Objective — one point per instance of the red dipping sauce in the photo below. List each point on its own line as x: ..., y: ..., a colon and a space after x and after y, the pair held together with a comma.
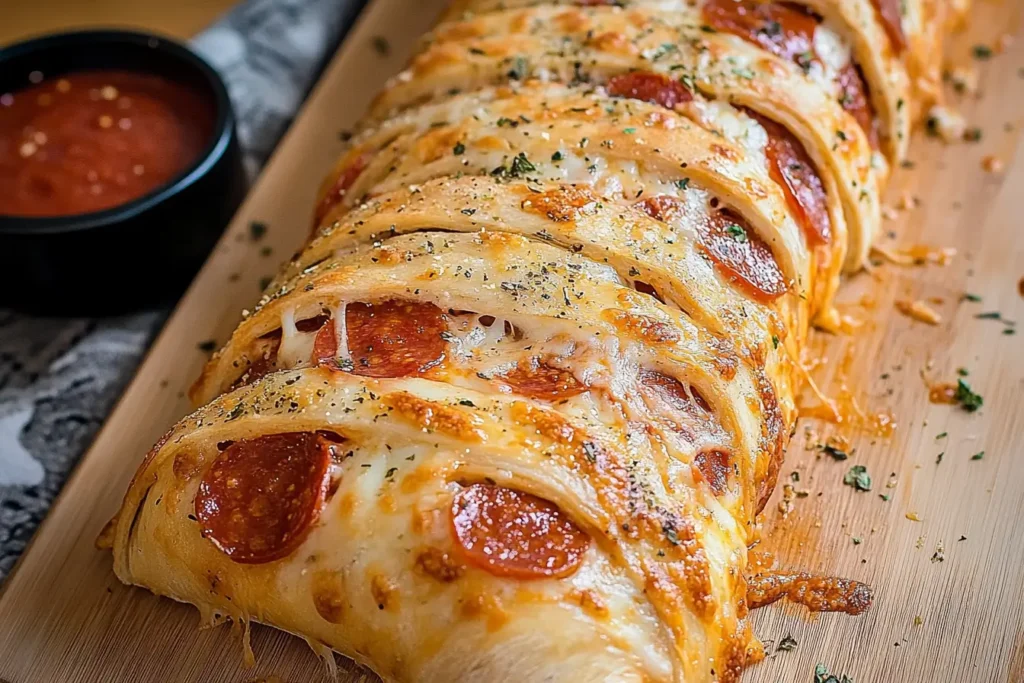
x: 94, y: 140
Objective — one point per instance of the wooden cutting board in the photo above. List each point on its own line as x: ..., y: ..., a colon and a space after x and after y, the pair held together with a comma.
x: 181, y: 19
x: 949, y: 582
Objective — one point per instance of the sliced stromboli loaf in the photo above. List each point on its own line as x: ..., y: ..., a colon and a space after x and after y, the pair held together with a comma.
x: 513, y: 409
x: 748, y: 338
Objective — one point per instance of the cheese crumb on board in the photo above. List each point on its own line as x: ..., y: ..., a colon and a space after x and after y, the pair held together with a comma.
x: 992, y: 164
x: 946, y: 123
x: 919, y: 310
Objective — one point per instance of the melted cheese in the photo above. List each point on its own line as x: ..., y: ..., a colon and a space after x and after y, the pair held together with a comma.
x: 834, y: 52
x: 296, y: 347
x: 341, y: 334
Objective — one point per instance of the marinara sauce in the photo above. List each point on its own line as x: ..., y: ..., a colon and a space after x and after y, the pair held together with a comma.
x: 93, y: 140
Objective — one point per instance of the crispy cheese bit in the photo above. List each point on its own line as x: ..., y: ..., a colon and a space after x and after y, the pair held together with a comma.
x: 964, y: 79
x: 916, y: 255
x: 816, y: 593
x: 992, y: 164
x: 946, y: 124
x: 514, y: 534
x: 918, y: 310
x: 260, y: 497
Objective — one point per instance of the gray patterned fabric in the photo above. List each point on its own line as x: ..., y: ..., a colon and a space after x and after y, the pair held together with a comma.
x: 59, y: 377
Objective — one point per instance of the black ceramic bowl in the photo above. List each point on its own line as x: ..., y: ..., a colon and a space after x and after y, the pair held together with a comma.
x: 141, y: 253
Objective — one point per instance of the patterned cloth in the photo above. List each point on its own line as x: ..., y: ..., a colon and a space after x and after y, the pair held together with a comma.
x: 59, y: 377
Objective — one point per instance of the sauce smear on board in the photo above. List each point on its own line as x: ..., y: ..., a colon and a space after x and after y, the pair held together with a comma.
x: 93, y: 140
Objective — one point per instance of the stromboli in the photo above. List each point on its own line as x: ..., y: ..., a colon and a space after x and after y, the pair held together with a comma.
x: 515, y: 406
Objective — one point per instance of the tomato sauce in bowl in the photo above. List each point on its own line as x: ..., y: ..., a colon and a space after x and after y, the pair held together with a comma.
x: 120, y: 166
x: 94, y: 140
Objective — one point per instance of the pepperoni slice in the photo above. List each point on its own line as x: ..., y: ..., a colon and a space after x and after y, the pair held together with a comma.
x: 742, y: 256
x: 325, y: 345
x: 391, y: 339
x: 672, y: 392
x: 687, y: 411
x: 853, y: 95
x: 261, y: 496
x: 786, y: 30
x: 714, y: 466
x: 791, y: 167
x: 395, y: 338
x: 649, y: 87
x: 341, y: 186
x: 736, y: 250
x: 515, y: 534
x: 536, y: 379
x: 892, y: 22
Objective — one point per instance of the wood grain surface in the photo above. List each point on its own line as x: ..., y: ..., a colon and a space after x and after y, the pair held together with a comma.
x: 179, y: 19
x: 944, y: 551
